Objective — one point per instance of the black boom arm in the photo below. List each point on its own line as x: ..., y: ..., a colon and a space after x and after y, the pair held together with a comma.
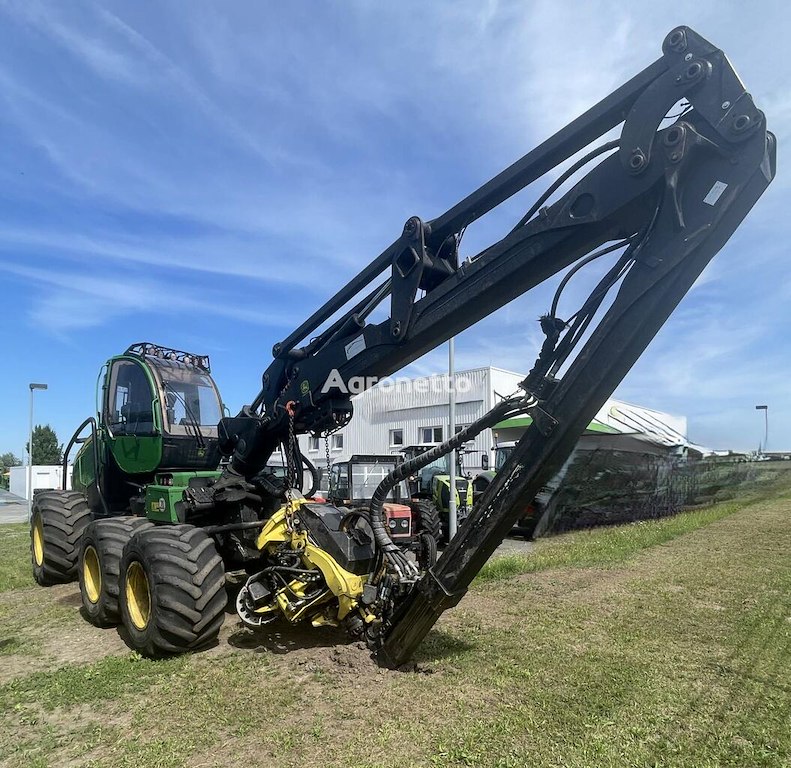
x: 672, y: 257
x: 669, y: 198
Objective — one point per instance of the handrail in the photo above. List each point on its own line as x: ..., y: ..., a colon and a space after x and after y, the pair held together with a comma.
x: 75, y: 438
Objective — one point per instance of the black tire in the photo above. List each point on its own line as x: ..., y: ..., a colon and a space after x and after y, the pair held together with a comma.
x: 58, y: 520
x: 427, y: 552
x: 428, y: 518
x: 171, y: 590
x: 103, y: 544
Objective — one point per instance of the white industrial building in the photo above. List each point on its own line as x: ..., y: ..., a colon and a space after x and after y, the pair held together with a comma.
x: 403, y: 412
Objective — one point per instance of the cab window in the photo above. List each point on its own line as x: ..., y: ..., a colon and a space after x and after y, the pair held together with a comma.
x: 501, y: 456
x: 191, y: 399
x: 130, y: 400
x: 340, y: 479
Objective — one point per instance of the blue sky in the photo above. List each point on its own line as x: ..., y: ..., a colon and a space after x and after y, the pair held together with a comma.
x: 205, y: 174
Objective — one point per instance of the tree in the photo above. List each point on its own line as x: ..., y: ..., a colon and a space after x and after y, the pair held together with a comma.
x: 46, y: 449
x: 7, y: 460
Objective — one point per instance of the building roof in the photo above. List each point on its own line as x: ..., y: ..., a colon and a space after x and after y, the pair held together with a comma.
x: 526, y: 421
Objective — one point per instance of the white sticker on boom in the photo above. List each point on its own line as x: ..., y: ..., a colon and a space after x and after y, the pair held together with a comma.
x: 714, y: 193
x: 355, y: 347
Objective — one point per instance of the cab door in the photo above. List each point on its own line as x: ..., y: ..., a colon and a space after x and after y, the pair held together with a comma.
x: 132, y: 417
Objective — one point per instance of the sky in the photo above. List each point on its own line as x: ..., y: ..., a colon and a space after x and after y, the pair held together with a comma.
x: 204, y: 175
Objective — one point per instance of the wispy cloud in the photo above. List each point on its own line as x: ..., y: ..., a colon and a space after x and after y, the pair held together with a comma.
x: 102, y: 56
x: 67, y: 302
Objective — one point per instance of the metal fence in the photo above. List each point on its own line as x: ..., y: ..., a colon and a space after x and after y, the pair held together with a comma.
x: 605, y: 487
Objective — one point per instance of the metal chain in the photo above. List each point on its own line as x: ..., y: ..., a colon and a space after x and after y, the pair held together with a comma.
x: 329, y: 462
x: 291, y: 468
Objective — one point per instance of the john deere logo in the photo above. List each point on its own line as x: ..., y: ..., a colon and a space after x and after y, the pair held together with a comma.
x: 305, y: 387
x: 158, y: 505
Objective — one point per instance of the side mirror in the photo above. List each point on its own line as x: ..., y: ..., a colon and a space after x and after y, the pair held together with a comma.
x: 485, y: 461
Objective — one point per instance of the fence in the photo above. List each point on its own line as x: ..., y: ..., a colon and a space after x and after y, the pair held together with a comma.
x: 606, y: 487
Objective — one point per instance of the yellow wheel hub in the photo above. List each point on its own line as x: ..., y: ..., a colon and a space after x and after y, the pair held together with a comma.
x: 138, y: 595
x: 38, y: 541
x: 92, y: 575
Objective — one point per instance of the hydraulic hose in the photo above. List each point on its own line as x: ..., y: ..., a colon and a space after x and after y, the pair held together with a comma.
x: 314, y: 476
x: 562, y: 178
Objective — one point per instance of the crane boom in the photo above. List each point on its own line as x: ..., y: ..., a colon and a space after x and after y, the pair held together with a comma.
x: 666, y: 199
x: 615, y: 201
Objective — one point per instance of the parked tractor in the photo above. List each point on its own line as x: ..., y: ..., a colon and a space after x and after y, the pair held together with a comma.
x: 483, y: 480
x: 412, y: 524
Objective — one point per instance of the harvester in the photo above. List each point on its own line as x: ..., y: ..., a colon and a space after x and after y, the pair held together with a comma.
x: 170, y: 496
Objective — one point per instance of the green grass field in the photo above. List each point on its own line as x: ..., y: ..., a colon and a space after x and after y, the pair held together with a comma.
x: 663, y: 643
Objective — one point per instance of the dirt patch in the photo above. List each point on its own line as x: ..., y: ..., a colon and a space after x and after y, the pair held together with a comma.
x: 355, y: 660
x: 85, y: 643
x: 71, y: 599
x: 33, y: 613
x: 352, y: 659
x: 68, y: 646
x: 305, y: 649
x: 85, y: 714
x: 280, y: 638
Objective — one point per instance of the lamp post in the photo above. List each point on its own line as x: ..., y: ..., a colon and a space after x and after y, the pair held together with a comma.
x: 30, y: 452
x: 452, y: 429
x: 765, y: 409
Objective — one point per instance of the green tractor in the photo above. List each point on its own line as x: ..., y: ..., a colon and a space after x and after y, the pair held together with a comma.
x: 153, y: 449
x: 430, y: 487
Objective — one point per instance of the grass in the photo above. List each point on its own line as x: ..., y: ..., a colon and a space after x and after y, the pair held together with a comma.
x: 75, y: 684
x: 604, y: 546
x: 666, y: 643
x: 618, y: 543
x: 15, y: 559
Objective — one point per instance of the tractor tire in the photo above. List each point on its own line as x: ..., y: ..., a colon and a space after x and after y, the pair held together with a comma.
x: 171, y: 590
x: 429, y: 518
x: 58, y: 521
x: 99, y: 568
x: 427, y: 551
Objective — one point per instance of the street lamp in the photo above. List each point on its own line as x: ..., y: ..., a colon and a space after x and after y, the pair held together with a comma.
x: 765, y: 409
x: 30, y: 452
x: 452, y: 512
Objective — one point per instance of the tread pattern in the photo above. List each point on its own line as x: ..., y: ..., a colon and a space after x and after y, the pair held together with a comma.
x: 187, y: 582
x: 429, y: 518
x: 427, y: 554
x: 108, y: 536
x: 64, y: 516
